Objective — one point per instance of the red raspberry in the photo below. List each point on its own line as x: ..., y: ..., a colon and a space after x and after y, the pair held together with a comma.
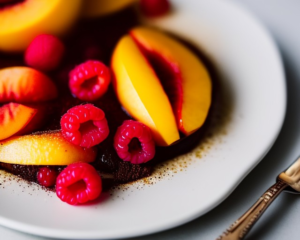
x: 89, y: 81
x: 78, y: 183
x: 44, y: 53
x: 128, y: 131
x: 84, y: 125
x: 46, y: 176
x: 154, y: 8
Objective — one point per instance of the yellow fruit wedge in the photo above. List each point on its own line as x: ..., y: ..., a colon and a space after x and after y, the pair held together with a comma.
x: 22, y: 21
x: 191, y: 105
x: 48, y: 148
x: 161, y: 83
x: 140, y: 92
x: 13, y: 118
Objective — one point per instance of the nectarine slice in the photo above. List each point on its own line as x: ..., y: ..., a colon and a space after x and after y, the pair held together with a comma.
x: 184, y: 76
x: 48, y: 148
x: 13, y: 118
x: 39, y: 119
x: 24, y: 84
x: 97, y: 8
x: 141, y: 93
x: 22, y: 21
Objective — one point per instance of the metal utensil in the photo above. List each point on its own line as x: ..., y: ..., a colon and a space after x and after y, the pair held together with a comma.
x: 288, y: 180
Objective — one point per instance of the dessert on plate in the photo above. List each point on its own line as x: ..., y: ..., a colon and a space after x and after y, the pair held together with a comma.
x: 87, y: 91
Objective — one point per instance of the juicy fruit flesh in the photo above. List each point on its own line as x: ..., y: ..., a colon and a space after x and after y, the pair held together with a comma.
x: 191, y: 108
x: 141, y: 93
x: 43, y: 149
x: 9, y: 3
x: 20, y: 14
x: 24, y: 84
x: 13, y: 118
x: 21, y: 22
x: 170, y: 77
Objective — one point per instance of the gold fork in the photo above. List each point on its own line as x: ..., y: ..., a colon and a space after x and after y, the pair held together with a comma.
x: 288, y: 181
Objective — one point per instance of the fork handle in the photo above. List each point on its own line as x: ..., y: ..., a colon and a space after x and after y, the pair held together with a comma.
x: 242, y: 226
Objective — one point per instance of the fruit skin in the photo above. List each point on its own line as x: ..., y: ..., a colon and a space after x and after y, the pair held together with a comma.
x: 39, y: 119
x: 25, y: 85
x: 126, y: 132
x: 97, y: 8
x: 45, y: 148
x: 46, y: 177
x: 84, y: 125
x: 44, y: 53
x: 78, y: 183
x: 154, y: 8
x: 89, y: 80
x: 192, y: 102
x: 13, y: 118
x: 141, y: 93
x: 21, y: 22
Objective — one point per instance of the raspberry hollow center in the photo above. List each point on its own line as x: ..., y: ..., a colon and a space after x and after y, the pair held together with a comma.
x: 87, y: 128
x: 90, y: 83
x: 134, y: 145
x: 77, y: 187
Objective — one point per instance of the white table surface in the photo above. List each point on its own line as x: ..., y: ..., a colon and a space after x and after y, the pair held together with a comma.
x: 282, y: 219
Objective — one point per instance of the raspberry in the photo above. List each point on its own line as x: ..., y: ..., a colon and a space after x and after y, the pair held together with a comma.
x: 154, y: 8
x: 46, y: 176
x: 84, y: 125
x: 44, y: 53
x: 124, y: 139
x: 89, y: 81
x: 78, y: 183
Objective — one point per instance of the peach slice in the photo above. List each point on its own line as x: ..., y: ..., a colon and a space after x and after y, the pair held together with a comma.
x: 24, y: 84
x: 149, y: 67
x: 181, y: 72
x: 97, y: 8
x: 22, y: 21
x: 39, y: 119
x: 141, y: 93
x: 48, y: 148
x: 13, y: 118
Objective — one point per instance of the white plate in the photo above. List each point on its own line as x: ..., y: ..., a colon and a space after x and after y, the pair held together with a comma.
x: 250, y: 65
